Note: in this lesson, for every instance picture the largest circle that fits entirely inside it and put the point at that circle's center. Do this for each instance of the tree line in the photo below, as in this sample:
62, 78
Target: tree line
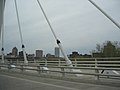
107, 49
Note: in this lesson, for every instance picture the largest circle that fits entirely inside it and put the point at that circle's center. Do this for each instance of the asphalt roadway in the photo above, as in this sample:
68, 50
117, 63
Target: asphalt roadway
13, 81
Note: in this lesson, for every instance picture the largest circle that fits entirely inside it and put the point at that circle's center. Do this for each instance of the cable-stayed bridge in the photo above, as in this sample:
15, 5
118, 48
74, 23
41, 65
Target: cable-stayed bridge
87, 73
26, 75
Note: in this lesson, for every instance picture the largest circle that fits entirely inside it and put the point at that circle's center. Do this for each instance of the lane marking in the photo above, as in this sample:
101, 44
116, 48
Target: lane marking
39, 82
70, 82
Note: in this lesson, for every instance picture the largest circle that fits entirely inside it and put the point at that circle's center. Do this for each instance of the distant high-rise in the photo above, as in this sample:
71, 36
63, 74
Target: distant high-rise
21, 53
57, 52
15, 51
39, 53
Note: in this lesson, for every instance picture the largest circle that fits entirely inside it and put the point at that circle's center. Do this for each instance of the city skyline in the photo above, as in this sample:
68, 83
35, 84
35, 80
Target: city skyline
79, 31
107, 49
39, 53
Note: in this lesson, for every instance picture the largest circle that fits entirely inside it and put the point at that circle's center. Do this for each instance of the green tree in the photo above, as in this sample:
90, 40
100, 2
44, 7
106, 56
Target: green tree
108, 49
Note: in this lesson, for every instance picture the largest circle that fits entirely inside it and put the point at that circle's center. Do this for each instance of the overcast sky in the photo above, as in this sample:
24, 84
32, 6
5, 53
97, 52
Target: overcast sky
77, 23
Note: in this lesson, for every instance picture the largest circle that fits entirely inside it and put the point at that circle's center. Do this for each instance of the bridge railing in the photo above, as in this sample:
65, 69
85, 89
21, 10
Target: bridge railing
77, 62
64, 70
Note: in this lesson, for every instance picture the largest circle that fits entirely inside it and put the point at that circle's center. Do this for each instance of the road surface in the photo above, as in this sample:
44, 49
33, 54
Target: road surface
26, 82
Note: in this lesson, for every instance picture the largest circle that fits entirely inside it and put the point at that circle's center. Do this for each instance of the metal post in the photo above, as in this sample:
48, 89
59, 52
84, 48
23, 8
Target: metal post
95, 63
45, 62
107, 74
2, 56
96, 76
96, 70
9, 66
75, 63
59, 64
24, 54
38, 67
21, 68
62, 70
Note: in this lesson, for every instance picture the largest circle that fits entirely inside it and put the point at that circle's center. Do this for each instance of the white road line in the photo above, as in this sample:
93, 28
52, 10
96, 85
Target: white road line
40, 82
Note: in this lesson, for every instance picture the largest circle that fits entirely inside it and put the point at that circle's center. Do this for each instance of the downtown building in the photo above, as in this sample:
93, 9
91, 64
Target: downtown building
57, 52
39, 53
15, 52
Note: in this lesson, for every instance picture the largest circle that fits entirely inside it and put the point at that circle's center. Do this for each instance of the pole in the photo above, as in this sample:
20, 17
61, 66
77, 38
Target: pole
2, 32
23, 47
68, 62
2, 50
103, 12
1, 15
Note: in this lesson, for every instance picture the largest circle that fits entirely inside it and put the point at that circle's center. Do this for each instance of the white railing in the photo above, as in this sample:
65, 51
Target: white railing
77, 62
64, 70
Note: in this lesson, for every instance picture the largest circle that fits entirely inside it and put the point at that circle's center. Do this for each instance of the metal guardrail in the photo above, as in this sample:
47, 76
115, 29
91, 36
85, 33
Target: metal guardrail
62, 70
78, 62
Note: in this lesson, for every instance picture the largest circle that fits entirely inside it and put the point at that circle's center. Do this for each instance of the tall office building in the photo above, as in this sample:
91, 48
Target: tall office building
21, 54
57, 52
39, 53
15, 51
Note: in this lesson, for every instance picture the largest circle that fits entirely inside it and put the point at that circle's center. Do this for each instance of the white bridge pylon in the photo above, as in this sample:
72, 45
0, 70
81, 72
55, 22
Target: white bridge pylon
2, 6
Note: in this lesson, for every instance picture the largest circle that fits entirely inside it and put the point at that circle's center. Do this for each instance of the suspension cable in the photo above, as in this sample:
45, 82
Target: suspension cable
23, 47
47, 19
2, 50
3, 25
110, 18
68, 62
2, 32
18, 22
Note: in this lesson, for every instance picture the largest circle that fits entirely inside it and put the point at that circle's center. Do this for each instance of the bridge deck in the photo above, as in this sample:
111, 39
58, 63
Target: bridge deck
15, 81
